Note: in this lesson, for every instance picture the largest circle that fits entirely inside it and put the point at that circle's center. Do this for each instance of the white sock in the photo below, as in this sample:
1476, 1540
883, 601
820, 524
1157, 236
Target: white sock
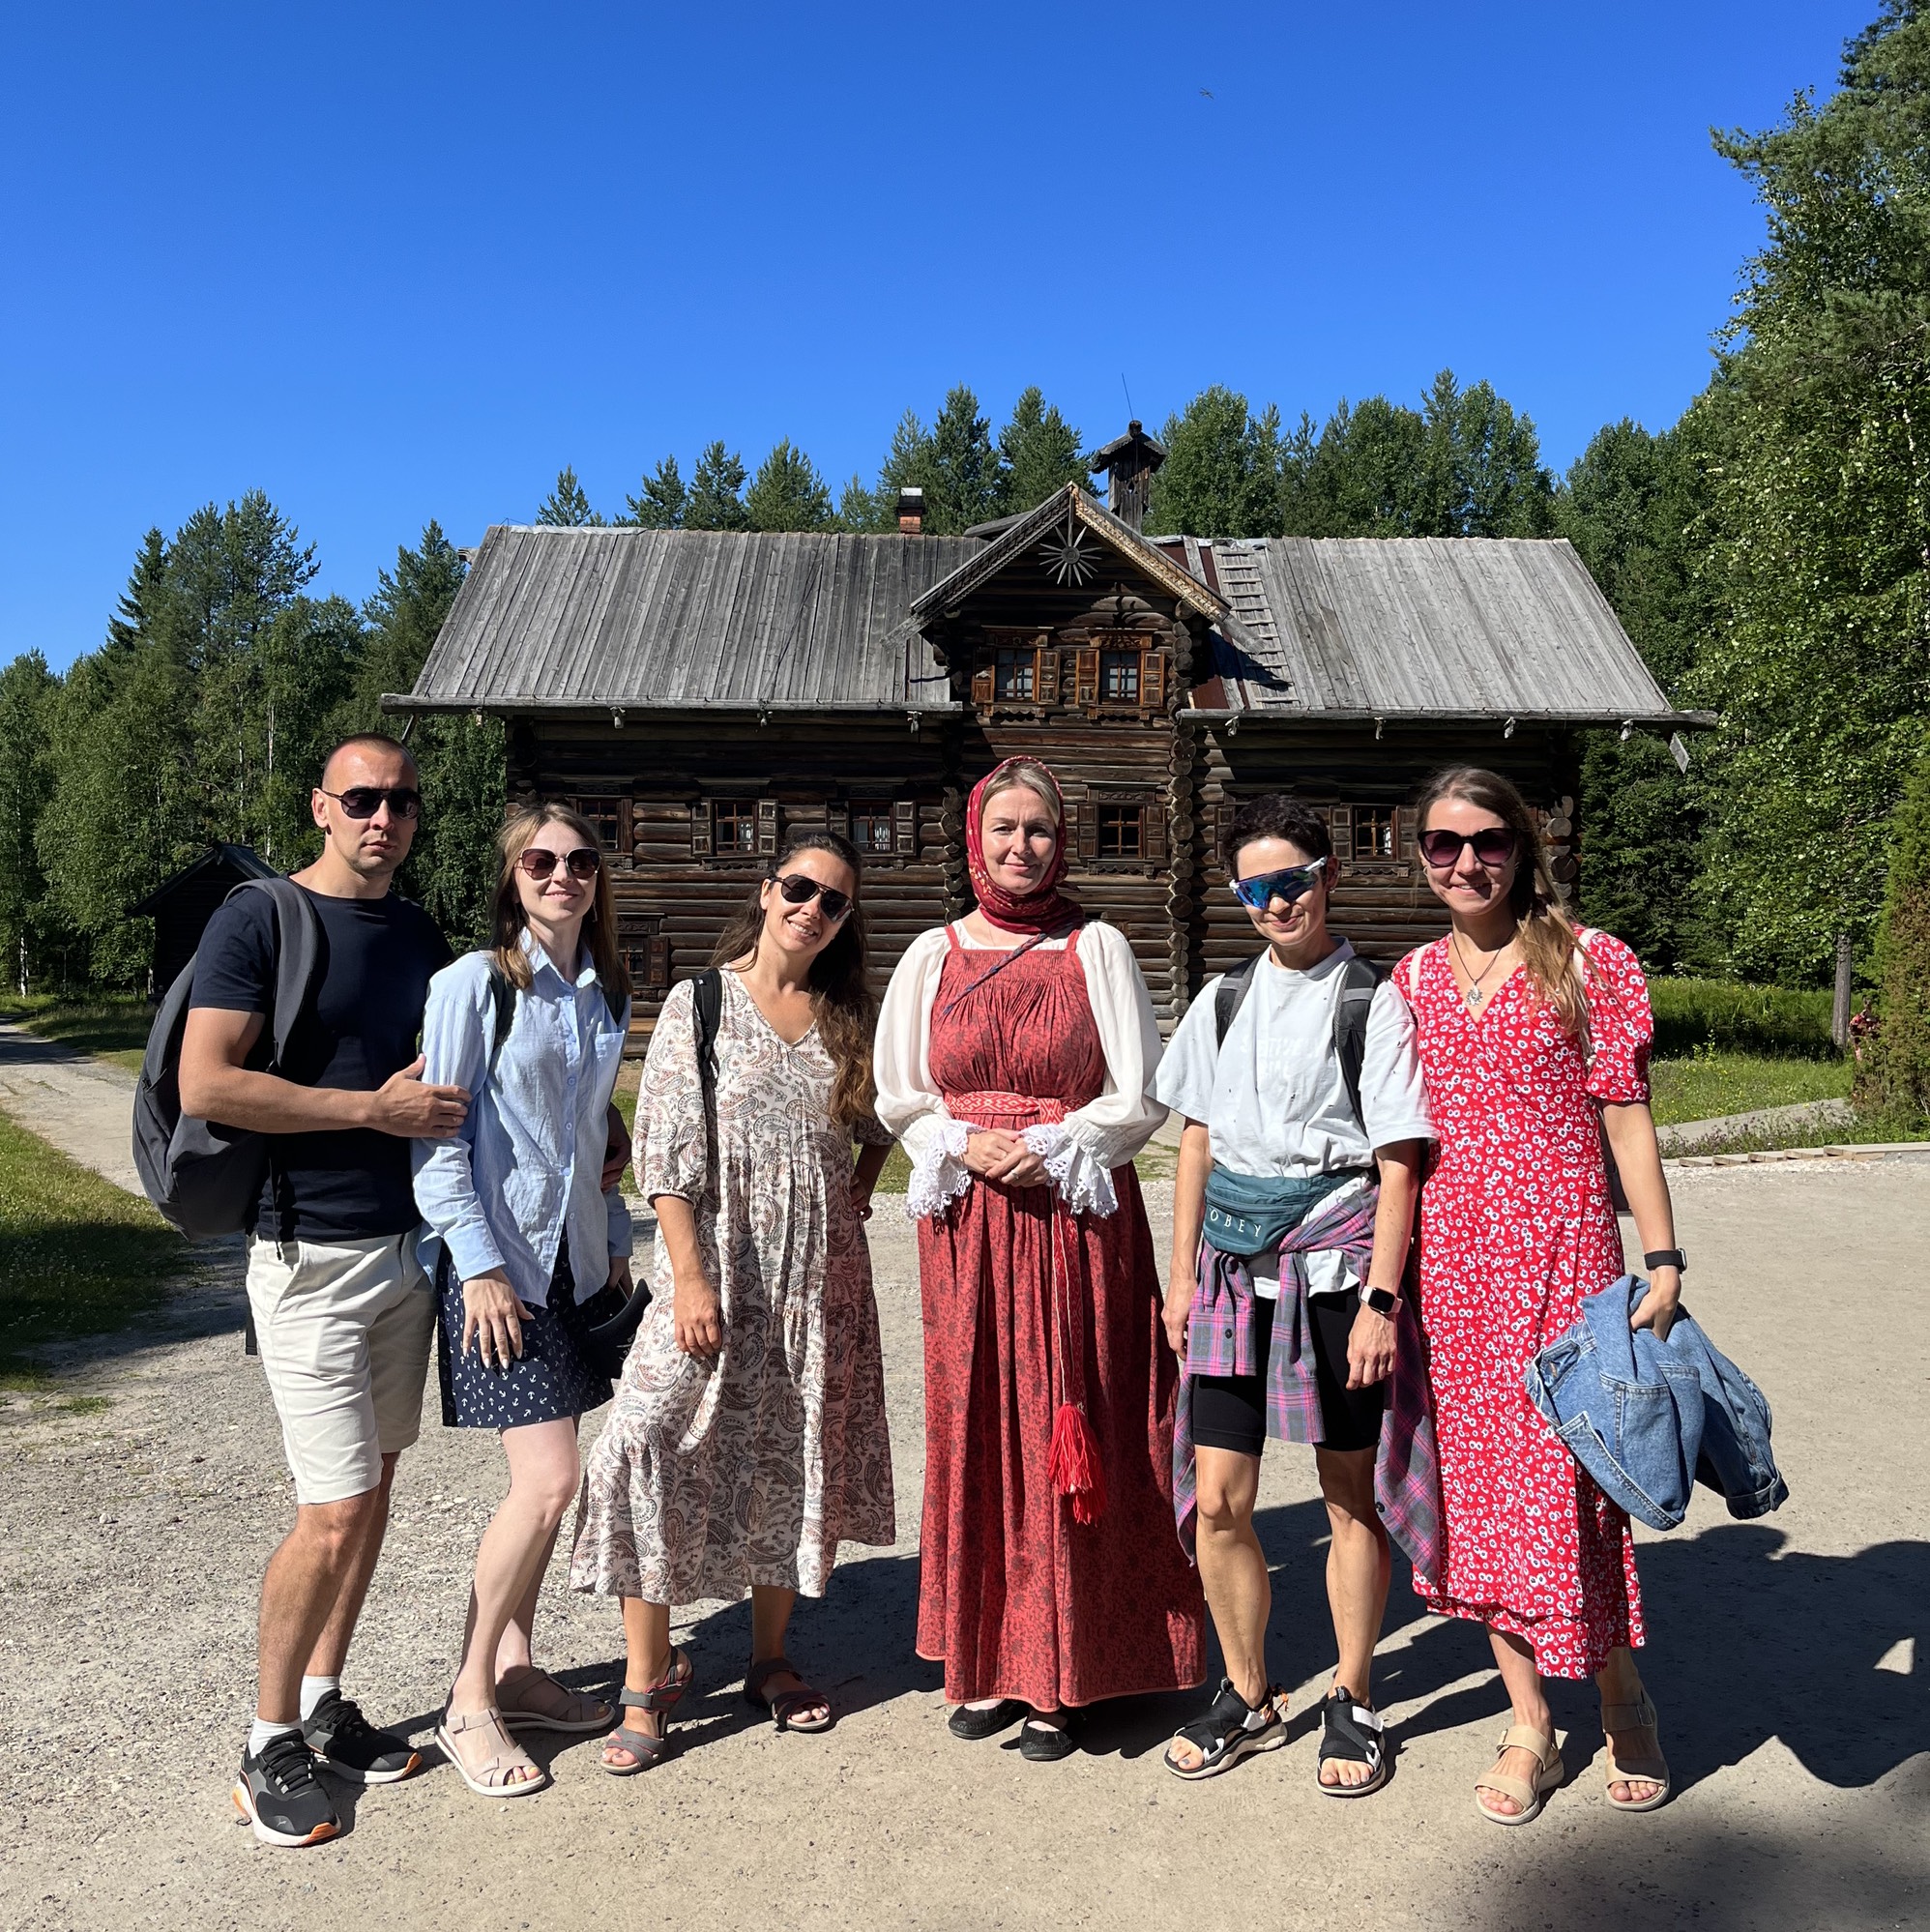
262, 1734
313, 1690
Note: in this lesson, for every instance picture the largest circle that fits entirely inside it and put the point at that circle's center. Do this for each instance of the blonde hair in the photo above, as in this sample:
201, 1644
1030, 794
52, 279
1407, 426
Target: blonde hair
1550, 950
506, 921
1025, 775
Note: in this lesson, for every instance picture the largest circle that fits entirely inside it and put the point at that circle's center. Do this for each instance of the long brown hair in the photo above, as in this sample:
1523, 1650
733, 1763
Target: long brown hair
1549, 947
842, 1002
506, 921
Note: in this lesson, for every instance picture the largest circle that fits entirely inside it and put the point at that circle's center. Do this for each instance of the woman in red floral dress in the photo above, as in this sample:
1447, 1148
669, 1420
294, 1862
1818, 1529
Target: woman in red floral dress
1014, 1059
1533, 1042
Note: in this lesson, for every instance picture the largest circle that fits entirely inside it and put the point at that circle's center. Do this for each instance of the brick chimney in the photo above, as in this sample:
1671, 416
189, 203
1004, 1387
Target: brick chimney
911, 511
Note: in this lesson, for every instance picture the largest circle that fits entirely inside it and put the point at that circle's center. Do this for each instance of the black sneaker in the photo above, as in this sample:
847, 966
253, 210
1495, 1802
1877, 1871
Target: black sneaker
279, 1795
352, 1748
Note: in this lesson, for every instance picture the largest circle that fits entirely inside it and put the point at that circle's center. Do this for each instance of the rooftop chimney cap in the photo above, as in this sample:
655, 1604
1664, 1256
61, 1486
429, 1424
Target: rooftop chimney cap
911, 511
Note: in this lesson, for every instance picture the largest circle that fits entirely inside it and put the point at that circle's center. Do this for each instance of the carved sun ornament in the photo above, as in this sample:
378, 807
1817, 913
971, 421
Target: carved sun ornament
1068, 558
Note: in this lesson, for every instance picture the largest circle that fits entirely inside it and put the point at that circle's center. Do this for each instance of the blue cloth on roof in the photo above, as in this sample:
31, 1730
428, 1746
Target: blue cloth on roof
1650, 1419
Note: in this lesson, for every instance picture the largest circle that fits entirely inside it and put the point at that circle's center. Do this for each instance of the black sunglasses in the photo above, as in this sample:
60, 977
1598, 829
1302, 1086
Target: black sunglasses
1293, 885
1492, 846
538, 862
366, 801
799, 888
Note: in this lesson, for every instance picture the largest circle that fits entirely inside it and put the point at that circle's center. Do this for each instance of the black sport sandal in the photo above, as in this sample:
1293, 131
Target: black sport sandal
1231, 1730
1350, 1732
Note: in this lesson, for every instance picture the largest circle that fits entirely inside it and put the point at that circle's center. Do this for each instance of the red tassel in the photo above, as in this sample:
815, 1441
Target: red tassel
1075, 1466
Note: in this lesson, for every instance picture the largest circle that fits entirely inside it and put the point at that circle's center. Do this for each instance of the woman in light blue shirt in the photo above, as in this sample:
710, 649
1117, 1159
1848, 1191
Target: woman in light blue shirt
530, 1251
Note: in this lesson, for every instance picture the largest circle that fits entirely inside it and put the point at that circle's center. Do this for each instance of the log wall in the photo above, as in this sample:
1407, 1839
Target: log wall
663, 787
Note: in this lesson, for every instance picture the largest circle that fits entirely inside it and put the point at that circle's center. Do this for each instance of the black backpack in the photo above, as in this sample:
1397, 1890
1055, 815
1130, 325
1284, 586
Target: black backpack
206, 1178
1360, 980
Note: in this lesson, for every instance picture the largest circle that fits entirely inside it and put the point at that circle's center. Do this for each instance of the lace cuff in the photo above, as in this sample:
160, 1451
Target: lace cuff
1075, 1177
939, 1174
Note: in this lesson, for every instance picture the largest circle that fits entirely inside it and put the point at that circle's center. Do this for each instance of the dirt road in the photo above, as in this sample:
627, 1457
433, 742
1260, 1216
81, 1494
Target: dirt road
1789, 1660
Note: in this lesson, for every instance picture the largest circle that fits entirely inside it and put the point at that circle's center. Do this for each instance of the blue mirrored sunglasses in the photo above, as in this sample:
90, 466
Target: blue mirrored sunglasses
1293, 884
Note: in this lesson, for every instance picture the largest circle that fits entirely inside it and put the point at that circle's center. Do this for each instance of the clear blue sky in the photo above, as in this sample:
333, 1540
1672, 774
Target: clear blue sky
398, 262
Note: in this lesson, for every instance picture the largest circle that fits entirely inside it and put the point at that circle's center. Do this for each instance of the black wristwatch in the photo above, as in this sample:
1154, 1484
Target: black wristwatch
1381, 1303
1666, 1257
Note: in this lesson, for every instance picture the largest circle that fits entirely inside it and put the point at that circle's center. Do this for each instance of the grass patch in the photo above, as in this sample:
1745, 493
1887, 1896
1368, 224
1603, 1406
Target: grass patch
77, 1256
1710, 1082
108, 1026
1864, 1129
1765, 1020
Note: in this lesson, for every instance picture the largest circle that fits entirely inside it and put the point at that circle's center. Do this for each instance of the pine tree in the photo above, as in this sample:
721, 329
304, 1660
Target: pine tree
1221, 477
567, 503
1038, 454
787, 493
872, 511
965, 486
141, 601
450, 868
28, 691
717, 485
1626, 506
661, 503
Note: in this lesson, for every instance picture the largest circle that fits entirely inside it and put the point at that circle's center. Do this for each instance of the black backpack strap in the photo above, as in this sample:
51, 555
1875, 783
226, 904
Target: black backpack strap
298, 959
502, 1007
707, 1004
1360, 980
1230, 995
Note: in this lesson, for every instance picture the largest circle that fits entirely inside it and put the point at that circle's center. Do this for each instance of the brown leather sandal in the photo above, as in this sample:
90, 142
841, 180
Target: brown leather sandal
1530, 1797
1637, 1717
784, 1705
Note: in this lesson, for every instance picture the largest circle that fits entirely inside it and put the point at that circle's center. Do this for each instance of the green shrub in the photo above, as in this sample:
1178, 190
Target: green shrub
1896, 1073
1746, 1019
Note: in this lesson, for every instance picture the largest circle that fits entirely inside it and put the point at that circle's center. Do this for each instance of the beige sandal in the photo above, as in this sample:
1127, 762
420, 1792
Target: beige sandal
1637, 1717
1529, 1797
491, 1777
580, 1713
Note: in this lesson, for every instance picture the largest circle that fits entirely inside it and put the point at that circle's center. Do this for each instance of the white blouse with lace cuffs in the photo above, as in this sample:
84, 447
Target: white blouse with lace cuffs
1080, 1153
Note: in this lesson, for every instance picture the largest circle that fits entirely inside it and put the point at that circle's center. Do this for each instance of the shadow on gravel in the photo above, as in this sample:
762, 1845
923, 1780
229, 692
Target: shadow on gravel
1748, 1641
1715, 1879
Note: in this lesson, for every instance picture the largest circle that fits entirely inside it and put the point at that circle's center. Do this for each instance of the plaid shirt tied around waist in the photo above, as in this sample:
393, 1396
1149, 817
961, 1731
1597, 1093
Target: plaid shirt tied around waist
1220, 1341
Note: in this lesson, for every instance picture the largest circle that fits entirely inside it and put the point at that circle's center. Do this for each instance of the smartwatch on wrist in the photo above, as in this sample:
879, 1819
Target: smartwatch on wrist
1666, 1257
1381, 1303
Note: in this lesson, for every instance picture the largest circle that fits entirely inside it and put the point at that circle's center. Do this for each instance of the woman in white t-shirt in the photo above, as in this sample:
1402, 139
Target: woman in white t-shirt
1305, 1115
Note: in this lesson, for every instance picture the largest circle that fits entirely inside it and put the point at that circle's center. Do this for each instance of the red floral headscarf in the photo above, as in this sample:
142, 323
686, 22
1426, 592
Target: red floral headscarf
1044, 910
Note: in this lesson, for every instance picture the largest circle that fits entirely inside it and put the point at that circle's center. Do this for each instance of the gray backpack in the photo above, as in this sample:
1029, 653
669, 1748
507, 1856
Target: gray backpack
206, 1178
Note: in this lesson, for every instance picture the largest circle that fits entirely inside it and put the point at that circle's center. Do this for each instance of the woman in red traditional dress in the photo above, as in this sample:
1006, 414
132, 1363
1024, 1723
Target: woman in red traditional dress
1014, 1059
1534, 1043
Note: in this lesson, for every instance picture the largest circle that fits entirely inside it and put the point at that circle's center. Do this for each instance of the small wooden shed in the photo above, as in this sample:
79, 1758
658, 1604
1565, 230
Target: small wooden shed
182, 906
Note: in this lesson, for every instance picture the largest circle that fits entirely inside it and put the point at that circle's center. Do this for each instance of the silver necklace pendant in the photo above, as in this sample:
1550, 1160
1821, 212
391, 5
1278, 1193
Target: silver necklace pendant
1473, 996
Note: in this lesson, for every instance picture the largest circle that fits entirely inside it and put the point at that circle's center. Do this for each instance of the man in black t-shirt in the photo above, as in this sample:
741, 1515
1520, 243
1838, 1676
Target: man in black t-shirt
342, 1306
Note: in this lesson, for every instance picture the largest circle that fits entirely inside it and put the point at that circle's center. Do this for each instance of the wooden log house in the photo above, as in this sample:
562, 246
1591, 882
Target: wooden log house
698, 693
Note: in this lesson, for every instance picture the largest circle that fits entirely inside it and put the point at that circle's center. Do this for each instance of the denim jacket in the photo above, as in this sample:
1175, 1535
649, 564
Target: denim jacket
525, 1169
1649, 1418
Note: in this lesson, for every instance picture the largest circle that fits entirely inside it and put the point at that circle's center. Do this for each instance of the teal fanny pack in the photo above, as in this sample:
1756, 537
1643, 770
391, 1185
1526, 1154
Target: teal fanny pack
1251, 1214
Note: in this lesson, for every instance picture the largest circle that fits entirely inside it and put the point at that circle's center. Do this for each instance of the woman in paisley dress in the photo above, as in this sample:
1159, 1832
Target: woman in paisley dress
1015, 1058
1534, 1043
749, 1436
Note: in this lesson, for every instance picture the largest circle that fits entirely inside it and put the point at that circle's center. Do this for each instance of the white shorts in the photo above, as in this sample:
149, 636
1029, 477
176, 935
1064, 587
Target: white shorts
344, 1332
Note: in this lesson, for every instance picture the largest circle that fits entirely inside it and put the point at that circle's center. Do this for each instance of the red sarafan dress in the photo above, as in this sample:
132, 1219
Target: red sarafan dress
1017, 1596
1516, 1227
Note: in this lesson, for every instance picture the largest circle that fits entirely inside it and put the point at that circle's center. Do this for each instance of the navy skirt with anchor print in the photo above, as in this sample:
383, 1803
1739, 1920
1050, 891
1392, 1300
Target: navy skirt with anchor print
553, 1377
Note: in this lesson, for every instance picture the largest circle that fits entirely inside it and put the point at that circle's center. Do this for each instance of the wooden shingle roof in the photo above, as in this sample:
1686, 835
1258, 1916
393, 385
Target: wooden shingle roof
683, 620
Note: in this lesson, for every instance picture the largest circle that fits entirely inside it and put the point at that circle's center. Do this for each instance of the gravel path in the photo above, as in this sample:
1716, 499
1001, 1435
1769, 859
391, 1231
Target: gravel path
1789, 1662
